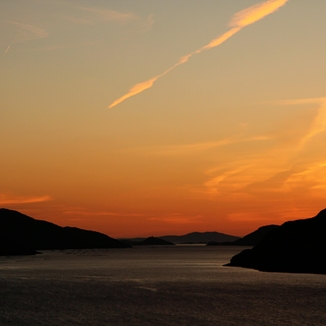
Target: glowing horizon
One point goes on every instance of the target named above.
(231, 140)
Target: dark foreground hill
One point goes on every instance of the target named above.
(12, 247)
(250, 239)
(255, 237)
(152, 241)
(297, 246)
(21, 234)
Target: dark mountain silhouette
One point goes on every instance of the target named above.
(152, 241)
(250, 239)
(200, 237)
(12, 247)
(25, 233)
(255, 237)
(194, 237)
(296, 246)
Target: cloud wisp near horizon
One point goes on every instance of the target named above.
(240, 20)
(229, 138)
(318, 124)
(8, 199)
(25, 32)
(299, 167)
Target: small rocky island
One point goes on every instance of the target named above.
(294, 247)
(23, 235)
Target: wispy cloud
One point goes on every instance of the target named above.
(82, 212)
(146, 25)
(213, 184)
(93, 15)
(177, 218)
(26, 32)
(8, 47)
(190, 149)
(63, 46)
(104, 14)
(318, 124)
(256, 12)
(292, 164)
(140, 25)
(7, 199)
(239, 21)
(195, 148)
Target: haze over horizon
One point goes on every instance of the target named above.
(153, 118)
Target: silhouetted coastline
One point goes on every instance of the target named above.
(23, 235)
(297, 247)
(12, 247)
(250, 239)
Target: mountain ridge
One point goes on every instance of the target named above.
(22, 231)
(297, 246)
(192, 237)
(153, 241)
(254, 237)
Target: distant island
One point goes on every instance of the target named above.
(23, 235)
(192, 238)
(152, 241)
(297, 247)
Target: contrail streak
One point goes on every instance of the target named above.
(240, 20)
(7, 49)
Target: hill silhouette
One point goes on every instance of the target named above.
(21, 233)
(250, 239)
(199, 237)
(12, 247)
(255, 237)
(152, 241)
(193, 237)
(296, 246)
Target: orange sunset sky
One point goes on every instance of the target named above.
(139, 118)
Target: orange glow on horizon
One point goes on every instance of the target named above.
(230, 141)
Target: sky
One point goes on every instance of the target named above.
(148, 117)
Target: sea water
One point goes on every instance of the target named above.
(173, 285)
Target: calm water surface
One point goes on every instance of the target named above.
(180, 285)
